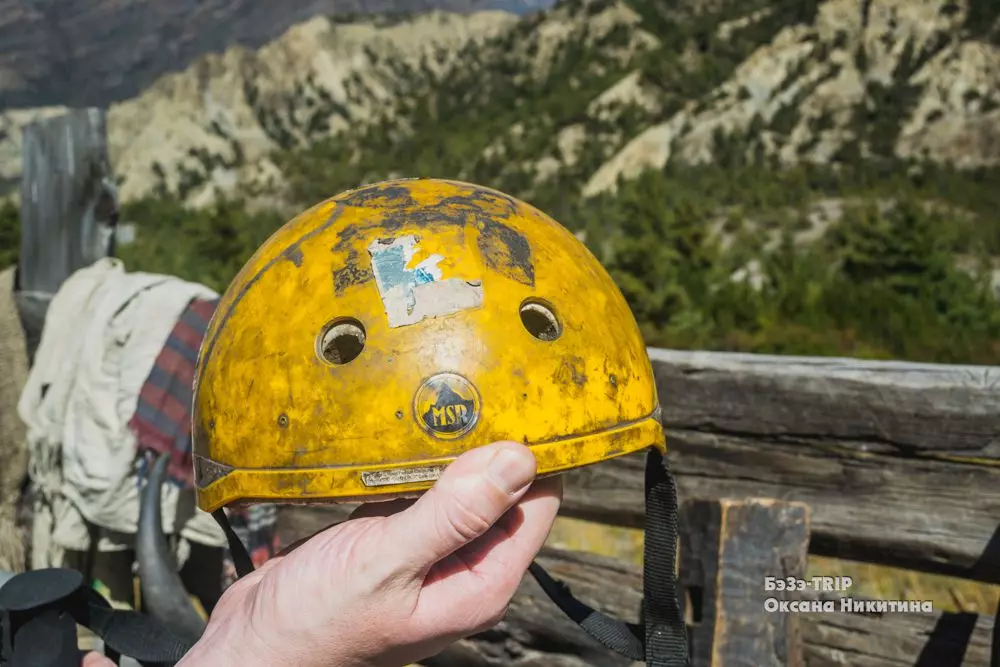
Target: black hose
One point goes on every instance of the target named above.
(164, 596)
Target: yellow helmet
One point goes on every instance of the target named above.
(382, 333)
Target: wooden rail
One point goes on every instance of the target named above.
(776, 458)
(899, 462)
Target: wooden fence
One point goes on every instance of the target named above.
(777, 458)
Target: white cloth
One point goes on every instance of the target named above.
(103, 331)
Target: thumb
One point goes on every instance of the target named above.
(94, 659)
(471, 495)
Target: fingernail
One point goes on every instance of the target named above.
(512, 470)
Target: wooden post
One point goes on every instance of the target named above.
(728, 549)
(65, 190)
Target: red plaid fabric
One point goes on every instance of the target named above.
(162, 424)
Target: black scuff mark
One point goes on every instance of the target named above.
(572, 370)
(294, 255)
(504, 249)
(350, 275)
(378, 195)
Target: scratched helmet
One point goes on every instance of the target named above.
(382, 333)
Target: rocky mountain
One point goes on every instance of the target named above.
(214, 126)
(577, 96)
(94, 52)
(903, 78)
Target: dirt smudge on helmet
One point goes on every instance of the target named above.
(379, 195)
(294, 255)
(571, 371)
(504, 249)
(350, 275)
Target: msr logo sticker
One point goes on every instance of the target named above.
(446, 406)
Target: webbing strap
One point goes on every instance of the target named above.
(241, 557)
(133, 634)
(662, 640)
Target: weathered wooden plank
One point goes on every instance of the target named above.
(898, 408)
(925, 515)
(728, 549)
(65, 164)
(898, 461)
(535, 633)
(902, 512)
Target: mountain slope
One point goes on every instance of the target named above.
(212, 127)
(886, 78)
(95, 52)
(620, 87)
(572, 98)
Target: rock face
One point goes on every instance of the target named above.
(894, 77)
(212, 127)
(818, 81)
(94, 52)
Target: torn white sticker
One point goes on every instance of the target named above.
(411, 294)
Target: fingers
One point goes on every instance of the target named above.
(94, 659)
(471, 495)
(497, 562)
(470, 591)
(523, 536)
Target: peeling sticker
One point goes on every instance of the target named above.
(414, 293)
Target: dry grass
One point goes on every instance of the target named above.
(871, 581)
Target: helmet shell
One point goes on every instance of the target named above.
(382, 333)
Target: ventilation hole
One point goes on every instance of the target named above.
(342, 342)
(540, 321)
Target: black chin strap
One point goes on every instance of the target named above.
(241, 558)
(662, 640)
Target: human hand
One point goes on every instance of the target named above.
(95, 659)
(398, 582)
